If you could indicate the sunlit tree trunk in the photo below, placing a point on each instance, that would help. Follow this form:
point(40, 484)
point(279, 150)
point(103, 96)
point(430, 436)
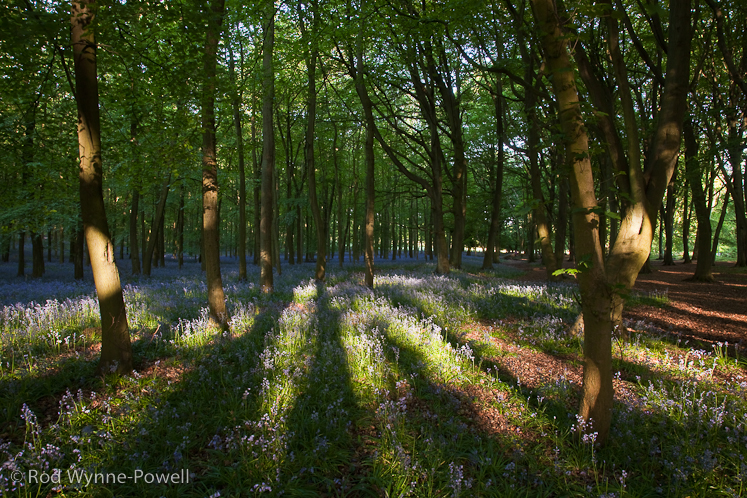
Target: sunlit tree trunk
point(356, 70)
point(116, 351)
point(602, 285)
point(210, 214)
point(268, 149)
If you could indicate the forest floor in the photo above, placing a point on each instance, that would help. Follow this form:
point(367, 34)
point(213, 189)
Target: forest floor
point(429, 386)
point(706, 312)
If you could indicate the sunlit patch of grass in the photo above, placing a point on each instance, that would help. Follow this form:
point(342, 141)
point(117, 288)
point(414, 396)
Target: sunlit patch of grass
point(658, 299)
point(498, 270)
point(305, 292)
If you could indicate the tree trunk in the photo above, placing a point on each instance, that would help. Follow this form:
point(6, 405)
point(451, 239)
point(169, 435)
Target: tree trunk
point(562, 221)
point(354, 230)
point(338, 186)
point(357, 72)
point(258, 180)
point(451, 104)
point(143, 236)
point(155, 230)
point(276, 224)
point(539, 218)
point(686, 215)
point(735, 148)
point(669, 224)
point(299, 235)
point(289, 172)
point(235, 102)
point(210, 214)
point(37, 252)
point(180, 228)
point(493, 245)
point(6, 240)
point(717, 232)
point(601, 284)
point(162, 240)
point(268, 149)
point(76, 250)
point(116, 351)
point(134, 248)
point(61, 240)
point(321, 227)
point(531, 230)
point(21, 254)
point(694, 173)
point(661, 218)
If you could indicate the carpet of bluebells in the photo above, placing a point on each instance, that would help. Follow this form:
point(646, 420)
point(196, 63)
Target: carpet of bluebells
point(336, 390)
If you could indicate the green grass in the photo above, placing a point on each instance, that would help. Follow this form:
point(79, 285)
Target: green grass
point(658, 299)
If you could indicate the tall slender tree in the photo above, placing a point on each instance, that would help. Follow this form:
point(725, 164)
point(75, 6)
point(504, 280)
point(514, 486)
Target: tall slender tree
point(268, 148)
point(116, 350)
point(210, 216)
point(236, 104)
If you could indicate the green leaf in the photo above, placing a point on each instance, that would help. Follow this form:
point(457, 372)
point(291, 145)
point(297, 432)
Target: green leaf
point(566, 271)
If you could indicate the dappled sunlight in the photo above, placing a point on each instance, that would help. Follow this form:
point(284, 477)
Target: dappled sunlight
point(425, 386)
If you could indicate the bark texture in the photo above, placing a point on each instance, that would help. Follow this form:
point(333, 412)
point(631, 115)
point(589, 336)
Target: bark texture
point(210, 215)
point(116, 350)
point(602, 283)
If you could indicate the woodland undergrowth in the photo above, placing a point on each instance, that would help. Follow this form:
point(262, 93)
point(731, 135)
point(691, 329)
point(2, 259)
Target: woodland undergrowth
point(336, 390)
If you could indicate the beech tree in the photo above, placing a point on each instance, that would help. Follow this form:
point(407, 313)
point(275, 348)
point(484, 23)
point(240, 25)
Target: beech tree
point(604, 282)
point(210, 218)
point(116, 351)
point(268, 148)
